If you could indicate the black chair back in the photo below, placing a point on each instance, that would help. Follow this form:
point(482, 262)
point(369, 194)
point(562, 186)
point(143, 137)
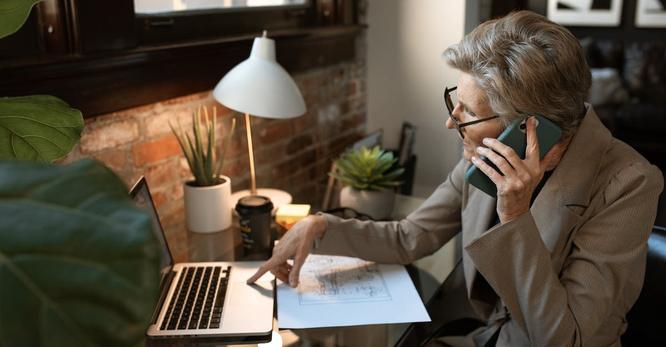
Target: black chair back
point(449, 310)
point(647, 318)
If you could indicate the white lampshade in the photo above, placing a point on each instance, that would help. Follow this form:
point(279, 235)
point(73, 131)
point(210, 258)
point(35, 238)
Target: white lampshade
point(259, 86)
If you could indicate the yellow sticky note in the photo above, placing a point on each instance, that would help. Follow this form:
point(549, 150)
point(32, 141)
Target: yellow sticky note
point(289, 214)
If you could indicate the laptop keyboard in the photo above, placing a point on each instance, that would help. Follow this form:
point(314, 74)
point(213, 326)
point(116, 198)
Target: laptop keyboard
point(199, 300)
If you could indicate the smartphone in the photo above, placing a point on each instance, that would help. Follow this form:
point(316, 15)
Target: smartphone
point(515, 136)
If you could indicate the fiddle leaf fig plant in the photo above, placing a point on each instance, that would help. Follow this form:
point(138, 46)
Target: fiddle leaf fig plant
point(79, 263)
point(38, 128)
point(368, 169)
point(13, 14)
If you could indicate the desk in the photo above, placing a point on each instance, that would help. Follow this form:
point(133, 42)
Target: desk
point(427, 274)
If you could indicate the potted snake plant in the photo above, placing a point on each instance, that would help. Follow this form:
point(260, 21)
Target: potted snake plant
point(370, 177)
point(208, 195)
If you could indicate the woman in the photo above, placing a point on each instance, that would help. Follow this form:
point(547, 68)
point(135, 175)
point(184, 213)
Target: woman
point(558, 258)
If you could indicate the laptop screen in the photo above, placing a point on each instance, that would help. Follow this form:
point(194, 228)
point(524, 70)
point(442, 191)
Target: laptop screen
point(141, 196)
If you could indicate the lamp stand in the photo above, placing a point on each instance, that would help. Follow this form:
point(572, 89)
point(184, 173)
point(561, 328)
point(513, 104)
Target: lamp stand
point(278, 197)
point(248, 131)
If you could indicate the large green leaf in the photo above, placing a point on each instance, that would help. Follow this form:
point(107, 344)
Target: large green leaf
point(38, 128)
point(13, 14)
point(79, 264)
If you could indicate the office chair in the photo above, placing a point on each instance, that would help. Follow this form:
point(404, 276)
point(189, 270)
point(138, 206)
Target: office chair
point(647, 318)
point(449, 310)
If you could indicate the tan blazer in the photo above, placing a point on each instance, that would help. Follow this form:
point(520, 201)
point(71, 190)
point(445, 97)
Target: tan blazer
point(566, 273)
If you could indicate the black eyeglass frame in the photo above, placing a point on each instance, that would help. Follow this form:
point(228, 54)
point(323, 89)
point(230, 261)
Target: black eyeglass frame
point(450, 107)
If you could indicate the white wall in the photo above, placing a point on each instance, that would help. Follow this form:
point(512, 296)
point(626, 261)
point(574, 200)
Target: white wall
point(406, 79)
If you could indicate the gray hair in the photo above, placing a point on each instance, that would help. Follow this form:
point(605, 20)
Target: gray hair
point(526, 65)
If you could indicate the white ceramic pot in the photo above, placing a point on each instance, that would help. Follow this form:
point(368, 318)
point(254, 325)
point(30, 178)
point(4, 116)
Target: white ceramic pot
point(208, 209)
point(376, 204)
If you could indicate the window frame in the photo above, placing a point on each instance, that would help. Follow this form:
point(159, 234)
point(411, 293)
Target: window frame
point(101, 68)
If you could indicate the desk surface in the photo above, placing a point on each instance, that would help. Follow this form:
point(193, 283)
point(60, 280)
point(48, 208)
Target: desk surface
point(427, 274)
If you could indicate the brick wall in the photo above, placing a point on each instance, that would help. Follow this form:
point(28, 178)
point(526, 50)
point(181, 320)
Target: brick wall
point(294, 155)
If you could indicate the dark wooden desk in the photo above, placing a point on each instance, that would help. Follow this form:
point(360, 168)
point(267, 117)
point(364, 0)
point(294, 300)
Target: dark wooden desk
point(427, 273)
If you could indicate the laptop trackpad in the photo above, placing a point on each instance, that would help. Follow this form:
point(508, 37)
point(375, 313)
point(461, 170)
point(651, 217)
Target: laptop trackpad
point(251, 309)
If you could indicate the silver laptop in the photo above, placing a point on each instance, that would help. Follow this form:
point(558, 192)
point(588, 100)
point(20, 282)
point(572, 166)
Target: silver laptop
point(208, 300)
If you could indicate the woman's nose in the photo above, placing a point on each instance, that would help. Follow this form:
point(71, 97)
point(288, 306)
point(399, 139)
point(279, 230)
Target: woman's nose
point(449, 123)
point(456, 113)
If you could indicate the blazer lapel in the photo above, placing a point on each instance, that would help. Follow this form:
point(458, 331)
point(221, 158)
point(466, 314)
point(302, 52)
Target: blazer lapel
point(566, 195)
point(477, 217)
point(556, 210)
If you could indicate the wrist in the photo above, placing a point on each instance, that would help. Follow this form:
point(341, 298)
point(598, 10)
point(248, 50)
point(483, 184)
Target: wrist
point(318, 224)
point(506, 218)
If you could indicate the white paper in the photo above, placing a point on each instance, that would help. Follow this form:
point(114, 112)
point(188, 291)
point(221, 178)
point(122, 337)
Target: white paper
point(342, 291)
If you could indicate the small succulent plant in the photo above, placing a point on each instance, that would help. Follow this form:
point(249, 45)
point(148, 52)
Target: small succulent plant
point(368, 169)
point(199, 147)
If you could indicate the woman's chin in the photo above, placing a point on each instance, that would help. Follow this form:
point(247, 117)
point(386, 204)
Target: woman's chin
point(467, 154)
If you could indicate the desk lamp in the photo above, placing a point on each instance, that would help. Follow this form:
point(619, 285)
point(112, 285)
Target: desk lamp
point(259, 86)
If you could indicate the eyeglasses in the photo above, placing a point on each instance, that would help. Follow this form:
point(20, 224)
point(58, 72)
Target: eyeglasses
point(450, 105)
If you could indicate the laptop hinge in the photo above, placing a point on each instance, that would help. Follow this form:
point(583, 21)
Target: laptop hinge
point(164, 290)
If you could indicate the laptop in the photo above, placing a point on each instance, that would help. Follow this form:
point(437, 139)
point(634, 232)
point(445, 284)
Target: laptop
point(207, 301)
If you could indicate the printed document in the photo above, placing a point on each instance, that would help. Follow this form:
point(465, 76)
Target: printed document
point(342, 291)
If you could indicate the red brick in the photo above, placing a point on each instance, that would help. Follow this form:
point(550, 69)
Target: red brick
point(114, 159)
point(170, 209)
point(109, 135)
point(177, 238)
point(294, 154)
point(162, 175)
point(223, 111)
point(287, 168)
point(237, 147)
point(352, 87)
point(172, 193)
point(130, 177)
point(256, 122)
point(307, 194)
point(299, 143)
point(357, 104)
point(312, 101)
point(344, 107)
point(184, 170)
point(338, 144)
point(304, 175)
point(353, 121)
point(269, 155)
point(158, 124)
point(240, 184)
point(275, 132)
point(323, 167)
point(154, 151)
point(224, 124)
point(234, 168)
point(175, 217)
point(304, 122)
point(312, 81)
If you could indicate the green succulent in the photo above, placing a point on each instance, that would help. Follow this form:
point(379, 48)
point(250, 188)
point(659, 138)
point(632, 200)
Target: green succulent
point(368, 169)
point(200, 150)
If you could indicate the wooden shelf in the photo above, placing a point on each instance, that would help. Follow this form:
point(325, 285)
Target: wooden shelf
point(110, 81)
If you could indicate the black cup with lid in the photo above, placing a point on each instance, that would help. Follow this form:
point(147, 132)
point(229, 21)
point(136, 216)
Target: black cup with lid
point(254, 215)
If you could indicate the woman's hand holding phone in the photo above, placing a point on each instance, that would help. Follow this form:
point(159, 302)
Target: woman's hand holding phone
point(518, 177)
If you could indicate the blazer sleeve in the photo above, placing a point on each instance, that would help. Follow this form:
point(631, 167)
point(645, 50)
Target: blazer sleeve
point(421, 233)
point(607, 256)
